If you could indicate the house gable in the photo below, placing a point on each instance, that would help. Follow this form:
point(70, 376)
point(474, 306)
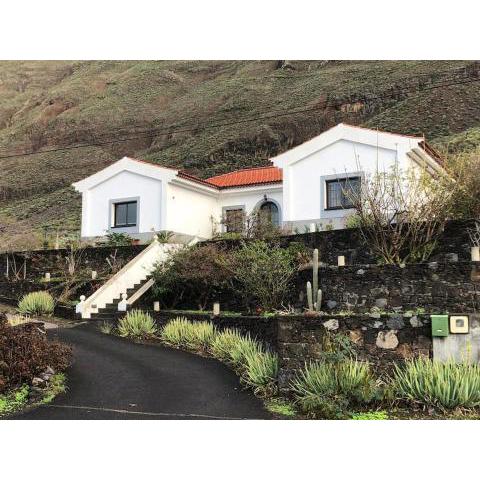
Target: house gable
point(356, 135)
point(138, 167)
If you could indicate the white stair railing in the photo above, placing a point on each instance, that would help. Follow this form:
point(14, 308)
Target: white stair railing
point(134, 272)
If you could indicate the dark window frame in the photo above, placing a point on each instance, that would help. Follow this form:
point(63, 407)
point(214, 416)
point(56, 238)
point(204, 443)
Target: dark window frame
point(125, 225)
point(342, 182)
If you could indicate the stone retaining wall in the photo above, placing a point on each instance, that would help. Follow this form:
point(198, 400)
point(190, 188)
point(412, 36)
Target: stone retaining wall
point(38, 262)
point(435, 287)
point(382, 341)
point(349, 243)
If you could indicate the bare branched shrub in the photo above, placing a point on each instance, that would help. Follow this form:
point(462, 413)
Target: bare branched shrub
point(401, 214)
point(474, 234)
point(71, 273)
point(114, 263)
point(255, 226)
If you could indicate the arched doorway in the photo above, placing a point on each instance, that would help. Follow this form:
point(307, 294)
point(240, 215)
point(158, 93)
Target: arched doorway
point(268, 211)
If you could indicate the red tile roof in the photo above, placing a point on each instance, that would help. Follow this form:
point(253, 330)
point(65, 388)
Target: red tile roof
point(247, 176)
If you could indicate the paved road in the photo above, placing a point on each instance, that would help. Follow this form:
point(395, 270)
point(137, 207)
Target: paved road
point(113, 378)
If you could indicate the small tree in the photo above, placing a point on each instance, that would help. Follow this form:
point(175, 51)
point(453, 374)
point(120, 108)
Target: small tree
point(197, 271)
point(264, 273)
point(401, 214)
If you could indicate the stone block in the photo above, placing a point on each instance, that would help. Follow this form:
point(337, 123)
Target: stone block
point(395, 322)
point(387, 339)
point(331, 324)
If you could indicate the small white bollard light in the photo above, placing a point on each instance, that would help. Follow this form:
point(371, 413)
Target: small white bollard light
point(47, 277)
point(156, 306)
point(122, 304)
point(94, 274)
point(313, 227)
point(475, 251)
point(79, 305)
point(216, 308)
point(341, 261)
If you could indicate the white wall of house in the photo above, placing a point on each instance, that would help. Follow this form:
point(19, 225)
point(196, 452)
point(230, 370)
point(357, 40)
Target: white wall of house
point(343, 151)
point(190, 210)
point(307, 179)
point(98, 215)
point(249, 198)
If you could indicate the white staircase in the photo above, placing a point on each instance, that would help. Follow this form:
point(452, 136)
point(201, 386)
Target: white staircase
point(133, 273)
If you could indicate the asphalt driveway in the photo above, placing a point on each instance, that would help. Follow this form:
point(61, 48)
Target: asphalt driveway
point(113, 378)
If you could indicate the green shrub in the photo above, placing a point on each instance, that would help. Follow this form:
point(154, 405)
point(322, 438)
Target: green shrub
point(115, 239)
point(14, 400)
point(264, 273)
point(260, 372)
point(137, 324)
point(432, 383)
point(330, 389)
point(36, 303)
point(191, 275)
point(224, 343)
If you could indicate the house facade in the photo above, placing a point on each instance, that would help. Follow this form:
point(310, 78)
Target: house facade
point(303, 186)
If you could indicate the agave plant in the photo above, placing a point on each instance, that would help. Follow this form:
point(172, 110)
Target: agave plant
point(137, 324)
point(224, 343)
point(329, 389)
point(445, 385)
point(260, 373)
point(201, 335)
point(182, 333)
point(177, 332)
point(36, 303)
point(242, 349)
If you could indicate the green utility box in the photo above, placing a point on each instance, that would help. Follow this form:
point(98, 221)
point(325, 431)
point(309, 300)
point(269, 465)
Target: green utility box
point(439, 325)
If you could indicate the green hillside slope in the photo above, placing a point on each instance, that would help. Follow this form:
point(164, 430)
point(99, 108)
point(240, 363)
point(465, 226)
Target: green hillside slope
point(186, 114)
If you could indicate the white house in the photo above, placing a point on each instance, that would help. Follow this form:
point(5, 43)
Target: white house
point(304, 185)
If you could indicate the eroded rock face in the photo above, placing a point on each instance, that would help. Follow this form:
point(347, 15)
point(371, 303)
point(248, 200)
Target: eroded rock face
point(387, 339)
point(331, 324)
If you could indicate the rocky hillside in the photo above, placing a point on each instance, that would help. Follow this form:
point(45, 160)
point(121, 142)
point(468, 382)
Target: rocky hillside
point(70, 119)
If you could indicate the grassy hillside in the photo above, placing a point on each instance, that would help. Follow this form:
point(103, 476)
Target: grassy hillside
point(49, 105)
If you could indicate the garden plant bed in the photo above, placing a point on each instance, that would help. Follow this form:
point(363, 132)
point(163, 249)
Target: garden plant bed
point(31, 366)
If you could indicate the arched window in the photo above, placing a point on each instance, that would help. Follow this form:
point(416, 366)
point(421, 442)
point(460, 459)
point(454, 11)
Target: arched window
point(268, 212)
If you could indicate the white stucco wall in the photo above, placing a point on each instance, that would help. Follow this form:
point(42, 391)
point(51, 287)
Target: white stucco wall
point(96, 212)
point(249, 199)
point(304, 181)
point(190, 212)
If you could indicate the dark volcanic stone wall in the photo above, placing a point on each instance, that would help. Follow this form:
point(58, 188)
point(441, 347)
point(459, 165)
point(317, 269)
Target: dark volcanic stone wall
point(434, 287)
point(382, 341)
point(38, 262)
